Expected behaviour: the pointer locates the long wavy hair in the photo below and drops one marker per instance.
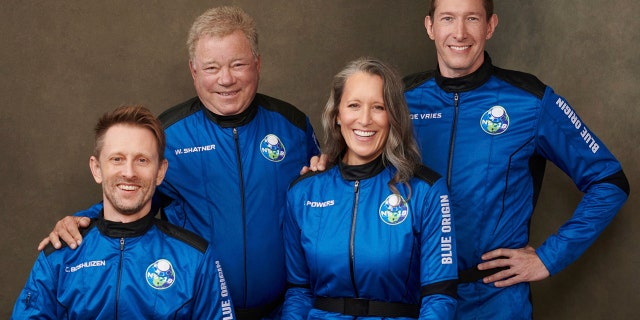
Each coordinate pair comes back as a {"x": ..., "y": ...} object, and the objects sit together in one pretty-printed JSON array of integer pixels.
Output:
[{"x": 400, "y": 149}]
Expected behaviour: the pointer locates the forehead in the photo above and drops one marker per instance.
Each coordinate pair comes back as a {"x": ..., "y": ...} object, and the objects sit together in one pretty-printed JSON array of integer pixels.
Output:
[
  {"x": 363, "y": 85},
  {"x": 447, "y": 6},
  {"x": 233, "y": 44},
  {"x": 129, "y": 139}
]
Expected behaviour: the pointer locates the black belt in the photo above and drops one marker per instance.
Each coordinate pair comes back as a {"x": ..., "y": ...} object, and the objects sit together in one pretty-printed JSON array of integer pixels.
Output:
[
  {"x": 363, "y": 307},
  {"x": 258, "y": 312},
  {"x": 473, "y": 274}
]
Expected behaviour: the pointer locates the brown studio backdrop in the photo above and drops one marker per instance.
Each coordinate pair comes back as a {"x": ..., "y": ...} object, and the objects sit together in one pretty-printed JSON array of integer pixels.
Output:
[{"x": 64, "y": 63}]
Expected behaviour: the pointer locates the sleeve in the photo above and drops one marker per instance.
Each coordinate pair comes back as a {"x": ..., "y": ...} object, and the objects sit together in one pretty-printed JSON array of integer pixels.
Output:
[
  {"x": 313, "y": 146},
  {"x": 91, "y": 212},
  {"x": 212, "y": 298},
  {"x": 567, "y": 142},
  {"x": 439, "y": 268},
  {"x": 37, "y": 300},
  {"x": 298, "y": 298}
]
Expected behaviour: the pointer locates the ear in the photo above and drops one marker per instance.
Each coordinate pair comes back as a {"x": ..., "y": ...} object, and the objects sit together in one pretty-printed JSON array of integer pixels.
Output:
[
  {"x": 259, "y": 63},
  {"x": 96, "y": 171},
  {"x": 162, "y": 171},
  {"x": 428, "y": 24},
  {"x": 192, "y": 69},
  {"x": 491, "y": 25}
]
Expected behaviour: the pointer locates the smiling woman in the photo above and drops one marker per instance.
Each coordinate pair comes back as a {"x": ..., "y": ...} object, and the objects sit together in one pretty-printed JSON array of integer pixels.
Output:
[{"x": 385, "y": 261}]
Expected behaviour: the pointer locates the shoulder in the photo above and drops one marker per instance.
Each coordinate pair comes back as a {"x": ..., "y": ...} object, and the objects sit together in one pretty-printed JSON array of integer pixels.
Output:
[
  {"x": 49, "y": 249},
  {"x": 426, "y": 174},
  {"x": 179, "y": 112},
  {"x": 182, "y": 235},
  {"x": 310, "y": 177},
  {"x": 522, "y": 80},
  {"x": 285, "y": 109},
  {"x": 414, "y": 80}
]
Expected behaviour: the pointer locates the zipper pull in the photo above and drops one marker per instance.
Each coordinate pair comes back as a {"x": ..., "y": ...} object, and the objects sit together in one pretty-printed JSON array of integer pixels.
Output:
[{"x": 122, "y": 244}]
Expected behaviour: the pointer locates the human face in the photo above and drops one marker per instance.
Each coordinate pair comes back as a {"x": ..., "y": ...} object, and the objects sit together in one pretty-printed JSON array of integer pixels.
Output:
[
  {"x": 363, "y": 118},
  {"x": 225, "y": 73},
  {"x": 460, "y": 30},
  {"x": 129, "y": 170}
]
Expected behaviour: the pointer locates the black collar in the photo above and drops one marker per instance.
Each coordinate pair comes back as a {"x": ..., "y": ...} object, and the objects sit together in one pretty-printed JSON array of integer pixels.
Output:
[
  {"x": 236, "y": 120},
  {"x": 468, "y": 82},
  {"x": 125, "y": 230},
  {"x": 362, "y": 171}
]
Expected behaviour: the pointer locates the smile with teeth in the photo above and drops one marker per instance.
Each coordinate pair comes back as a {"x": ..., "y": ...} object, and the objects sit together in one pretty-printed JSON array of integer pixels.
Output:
[
  {"x": 460, "y": 48},
  {"x": 127, "y": 187},
  {"x": 227, "y": 94},
  {"x": 364, "y": 133}
]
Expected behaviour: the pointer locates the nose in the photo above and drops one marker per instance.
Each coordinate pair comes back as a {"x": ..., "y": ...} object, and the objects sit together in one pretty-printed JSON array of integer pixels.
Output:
[
  {"x": 365, "y": 117},
  {"x": 461, "y": 30},
  {"x": 128, "y": 170},
  {"x": 226, "y": 78}
]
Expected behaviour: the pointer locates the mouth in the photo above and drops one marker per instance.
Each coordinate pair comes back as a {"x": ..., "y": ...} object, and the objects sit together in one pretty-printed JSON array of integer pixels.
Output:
[
  {"x": 228, "y": 93},
  {"x": 128, "y": 187},
  {"x": 459, "y": 48},
  {"x": 362, "y": 133}
]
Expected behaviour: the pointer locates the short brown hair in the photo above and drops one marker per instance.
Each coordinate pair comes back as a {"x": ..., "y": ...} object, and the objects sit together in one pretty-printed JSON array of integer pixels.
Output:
[
  {"x": 134, "y": 115},
  {"x": 488, "y": 7}
]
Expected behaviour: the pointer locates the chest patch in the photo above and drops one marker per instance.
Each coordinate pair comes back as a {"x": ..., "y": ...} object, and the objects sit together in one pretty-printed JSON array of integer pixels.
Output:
[
  {"x": 272, "y": 148},
  {"x": 495, "y": 120},
  {"x": 393, "y": 210},
  {"x": 160, "y": 274}
]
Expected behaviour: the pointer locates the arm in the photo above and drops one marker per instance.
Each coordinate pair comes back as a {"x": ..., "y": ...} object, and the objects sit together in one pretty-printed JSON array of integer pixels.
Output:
[
  {"x": 439, "y": 268},
  {"x": 568, "y": 143},
  {"x": 37, "y": 300},
  {"x": 67, "y": 229},
  {"x": 212, "y": 298},
  {"x": 299, "y": 298},
  {"x": 317, "y": 161}
]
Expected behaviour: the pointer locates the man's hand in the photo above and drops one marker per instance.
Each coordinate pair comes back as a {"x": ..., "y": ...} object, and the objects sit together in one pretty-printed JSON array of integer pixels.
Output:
[
  {"x": 66, "y": 229},
  {"x": 524, "y": 266},
  {"x": 316, "y": 163}
]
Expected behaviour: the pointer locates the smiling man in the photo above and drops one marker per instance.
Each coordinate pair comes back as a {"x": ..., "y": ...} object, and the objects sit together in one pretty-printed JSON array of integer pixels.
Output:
[
  {"x": 493, "y": 132},
  {"x": 131, "y": 265}
]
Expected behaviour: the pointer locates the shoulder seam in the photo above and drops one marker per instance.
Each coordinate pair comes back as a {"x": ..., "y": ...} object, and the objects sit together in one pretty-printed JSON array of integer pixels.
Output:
[
  {"x": 182, "y": 234},
  {"x": 414, "y": 80},
  {"x": 522, "y": 80},
  {"x": 178, "y": 112},
  {"x": 286, "y": 109}
]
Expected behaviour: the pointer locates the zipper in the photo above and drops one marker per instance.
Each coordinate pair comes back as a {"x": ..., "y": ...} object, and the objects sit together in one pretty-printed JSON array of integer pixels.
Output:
[
  {"x": 452, "y": 140},
  {"x": 119, "y": 274},
  {"x": 356, "y": 190},
  {"x": 236, "y": 138}
]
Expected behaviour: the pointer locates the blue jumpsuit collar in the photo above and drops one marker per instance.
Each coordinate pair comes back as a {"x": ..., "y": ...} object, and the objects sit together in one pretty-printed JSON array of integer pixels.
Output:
[
  {"x": 468, "y": 82},
  {"x": 363, "y": 171}
]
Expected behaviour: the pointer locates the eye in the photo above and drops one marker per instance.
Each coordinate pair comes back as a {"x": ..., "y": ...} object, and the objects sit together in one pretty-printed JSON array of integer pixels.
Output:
[
  {"x": 379, "y": 107},
  {"x": 353, "y": 105},
  {"x": 143, "y": 161}
]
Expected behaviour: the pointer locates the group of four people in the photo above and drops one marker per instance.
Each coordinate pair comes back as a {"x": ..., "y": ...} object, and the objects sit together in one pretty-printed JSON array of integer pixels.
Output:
[{"x": 388, "y": 225}]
